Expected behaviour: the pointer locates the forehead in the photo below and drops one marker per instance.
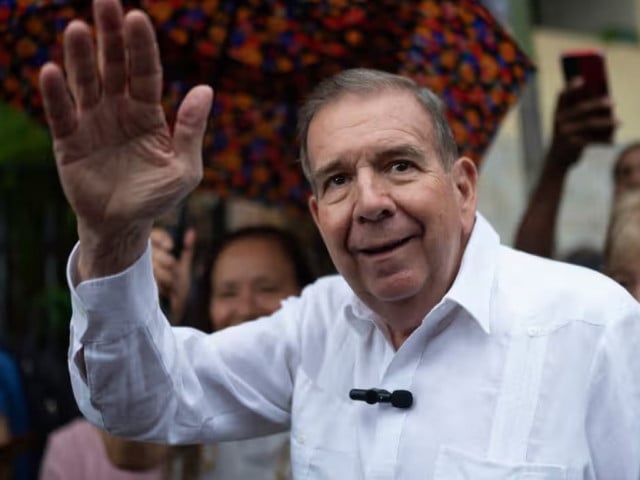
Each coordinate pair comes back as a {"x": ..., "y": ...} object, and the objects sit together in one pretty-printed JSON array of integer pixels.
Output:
[
  {"x": 358, "y": 123},
  {"x": 249, "y": 253},
  {"x": 631, "y": 158}
]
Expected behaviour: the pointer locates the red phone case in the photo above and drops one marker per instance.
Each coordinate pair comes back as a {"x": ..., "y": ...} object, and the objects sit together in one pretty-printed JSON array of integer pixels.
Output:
[{"x": 590, "y": 65}]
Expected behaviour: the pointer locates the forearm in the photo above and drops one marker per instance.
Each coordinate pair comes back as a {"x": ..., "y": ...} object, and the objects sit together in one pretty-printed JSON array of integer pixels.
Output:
[
  {"x": 112, "y": 357},
  {"x": 137, "y": 377},
  {"x": 537, "y": 229}
]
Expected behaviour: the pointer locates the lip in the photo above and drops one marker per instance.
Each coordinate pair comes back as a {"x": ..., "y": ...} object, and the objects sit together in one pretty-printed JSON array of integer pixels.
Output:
[{"x": 386, "y": 248}]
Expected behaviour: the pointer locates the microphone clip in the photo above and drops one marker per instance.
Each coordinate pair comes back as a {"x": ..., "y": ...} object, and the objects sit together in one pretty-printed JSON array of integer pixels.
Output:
[{"x": 397, "y": 398}]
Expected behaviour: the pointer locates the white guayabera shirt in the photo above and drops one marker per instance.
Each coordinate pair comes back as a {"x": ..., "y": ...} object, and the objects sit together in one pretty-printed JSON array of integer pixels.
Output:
[{"x": 527, "y": 369}]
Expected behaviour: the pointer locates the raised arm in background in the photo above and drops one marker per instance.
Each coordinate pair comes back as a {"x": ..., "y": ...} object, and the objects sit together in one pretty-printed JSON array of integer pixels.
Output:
[{"x": 578, "y": 122}]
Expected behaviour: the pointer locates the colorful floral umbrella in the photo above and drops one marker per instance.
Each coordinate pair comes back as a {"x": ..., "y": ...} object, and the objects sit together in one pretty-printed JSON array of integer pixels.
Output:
[{"x": 263, "y": 56}]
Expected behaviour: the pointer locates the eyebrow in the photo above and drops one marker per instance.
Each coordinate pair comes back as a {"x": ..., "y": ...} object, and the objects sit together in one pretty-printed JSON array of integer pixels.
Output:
[{"x": 405, "y": 150}]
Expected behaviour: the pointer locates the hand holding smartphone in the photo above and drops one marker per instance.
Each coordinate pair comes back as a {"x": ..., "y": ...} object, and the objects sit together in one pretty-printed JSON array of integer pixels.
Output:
[{"x": 584, "y": 114}]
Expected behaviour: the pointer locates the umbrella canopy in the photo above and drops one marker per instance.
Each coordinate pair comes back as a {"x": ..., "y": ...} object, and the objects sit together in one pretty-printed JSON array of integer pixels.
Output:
[{"x": 263, "y": 56}]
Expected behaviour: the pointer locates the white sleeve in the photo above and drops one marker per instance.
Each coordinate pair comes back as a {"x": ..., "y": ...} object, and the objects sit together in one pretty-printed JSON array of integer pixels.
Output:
[
  {"x": 613, "y": 409},
  {"x": 137, "y": 377}
]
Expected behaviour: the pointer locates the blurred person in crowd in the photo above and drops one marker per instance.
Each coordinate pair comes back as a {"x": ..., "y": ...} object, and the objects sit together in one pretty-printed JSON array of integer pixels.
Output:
[
  {"x": 79, "y": 451},
  {"x": 578, "y": 121},
  {"x": 626, "y": 169},
  {"x": 622, "y": 246},
  {"x": 472, "y": 360},
  {"x": 15, "y": 463},
  {"x": 250, "y": 272}
]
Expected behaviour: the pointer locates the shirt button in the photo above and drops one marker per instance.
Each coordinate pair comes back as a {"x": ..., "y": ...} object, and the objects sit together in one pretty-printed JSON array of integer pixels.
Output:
[{"x": 534, "y": 331}]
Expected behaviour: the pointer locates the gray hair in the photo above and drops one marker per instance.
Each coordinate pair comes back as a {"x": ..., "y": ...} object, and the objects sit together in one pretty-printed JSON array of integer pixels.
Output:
[{"x": 364, "y": 81}]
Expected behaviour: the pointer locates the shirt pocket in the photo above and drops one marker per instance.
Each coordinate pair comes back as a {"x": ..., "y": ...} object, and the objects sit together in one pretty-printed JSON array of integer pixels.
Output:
[
  {"x": 323, "y": 434},
  {"x": 453, "y": 464}
]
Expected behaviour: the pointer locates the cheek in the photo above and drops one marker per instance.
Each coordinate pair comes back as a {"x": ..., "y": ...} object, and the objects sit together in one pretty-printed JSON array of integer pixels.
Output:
[
  {"x": 267, "y": 304},
  {"x": 333, "y": 223},
  {"x": 220, "y": 313}
]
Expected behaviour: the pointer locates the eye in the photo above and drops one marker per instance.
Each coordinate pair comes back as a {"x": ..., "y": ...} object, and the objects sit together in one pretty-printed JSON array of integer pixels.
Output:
[
  {"x": 335, "y": 181},
  {"x": 400, "y": 166},
  {"x": 268, "y": 288},
  {"x": 226, "y": 293}
]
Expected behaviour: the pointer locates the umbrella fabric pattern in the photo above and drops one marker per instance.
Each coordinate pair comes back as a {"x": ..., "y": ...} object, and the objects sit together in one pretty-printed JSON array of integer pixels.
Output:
[{"x": 263, "y": 56}]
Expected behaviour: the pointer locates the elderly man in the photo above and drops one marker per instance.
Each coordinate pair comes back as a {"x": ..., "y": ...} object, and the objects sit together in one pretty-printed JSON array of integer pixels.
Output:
[{"x": 473, "y": 360}]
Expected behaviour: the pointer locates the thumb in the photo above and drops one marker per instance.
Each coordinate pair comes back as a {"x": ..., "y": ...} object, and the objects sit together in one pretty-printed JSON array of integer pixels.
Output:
[{"x": 191, "y": 123}]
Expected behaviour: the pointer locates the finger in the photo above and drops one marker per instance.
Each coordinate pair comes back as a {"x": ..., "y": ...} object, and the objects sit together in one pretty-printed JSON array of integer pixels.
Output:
[
  {"x": 111, "y": 53},
  {"x": 188, "y": 249},
  {"x": 570, "y": 93},
  {"x": 164, "y": 280},
  {"x": 592, "y": 108},
  {"x": 58, "y": 104},
  {"x": 164, "y": 260},
  {"x": 145, "y": 70},
  {"x": 160, "y": 239},
  {"x": 592, "y": 131},
  {"x": 592, "y": 126},
  {"x": 599, "y": 113},
  {"x": 191, "y": 123},
  {"x": 164, "y": 268},
  {"x": 575, "y": 93},
  {"x": 80, "y": 64}
]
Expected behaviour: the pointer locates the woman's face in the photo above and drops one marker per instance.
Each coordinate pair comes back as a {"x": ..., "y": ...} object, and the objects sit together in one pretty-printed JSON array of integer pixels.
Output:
[{"x": 250, "y": 279}]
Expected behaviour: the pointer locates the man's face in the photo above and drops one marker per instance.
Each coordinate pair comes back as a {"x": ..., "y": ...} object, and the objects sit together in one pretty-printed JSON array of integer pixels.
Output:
[
  {"x": 394, "y": 221},
  {"x": 627, "y": 172}
]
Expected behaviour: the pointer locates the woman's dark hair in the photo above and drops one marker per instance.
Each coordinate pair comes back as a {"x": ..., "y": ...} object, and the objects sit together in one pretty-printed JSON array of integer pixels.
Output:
[{"x": 287, "y": 242}]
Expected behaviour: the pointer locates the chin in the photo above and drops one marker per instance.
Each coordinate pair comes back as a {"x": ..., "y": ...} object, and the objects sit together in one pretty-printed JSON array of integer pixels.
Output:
[{"x": 395, "y": 289}]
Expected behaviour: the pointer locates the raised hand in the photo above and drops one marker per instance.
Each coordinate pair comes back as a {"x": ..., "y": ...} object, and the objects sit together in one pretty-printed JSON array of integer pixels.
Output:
[
  {"x": 119, "y": 163},
  {"x": 173, "y": 275},
  {"x": 578, "y": 122}
]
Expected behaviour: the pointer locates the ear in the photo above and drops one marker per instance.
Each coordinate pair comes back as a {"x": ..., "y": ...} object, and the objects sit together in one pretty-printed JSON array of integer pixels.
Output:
[
  {"x": 313, "y": 208},
  {"x": 465, "y": 179}
]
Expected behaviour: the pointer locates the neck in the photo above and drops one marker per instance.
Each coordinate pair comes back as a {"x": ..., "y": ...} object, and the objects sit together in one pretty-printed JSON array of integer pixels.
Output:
[
  {"x": 402, "y": 319},
  {"x": 399, "y": 336}
]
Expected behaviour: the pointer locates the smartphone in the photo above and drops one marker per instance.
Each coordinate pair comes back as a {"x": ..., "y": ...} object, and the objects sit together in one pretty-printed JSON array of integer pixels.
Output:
[
  {"x": 177, "y": 229},
  {"x": 591, "y": 66}
]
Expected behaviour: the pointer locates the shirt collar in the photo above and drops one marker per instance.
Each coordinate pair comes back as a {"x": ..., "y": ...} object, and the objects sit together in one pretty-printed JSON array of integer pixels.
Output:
[{"x": 471, "y": 288}]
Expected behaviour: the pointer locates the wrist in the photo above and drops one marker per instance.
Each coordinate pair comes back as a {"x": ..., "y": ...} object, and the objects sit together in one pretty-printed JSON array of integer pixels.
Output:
[
  {"x": 105, "y": 254},
  {"x": 560, "y": 160}
]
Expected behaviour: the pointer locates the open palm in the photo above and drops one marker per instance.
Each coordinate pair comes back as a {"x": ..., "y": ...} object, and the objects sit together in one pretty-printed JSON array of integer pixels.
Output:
[{"x": 119, "y": 163}]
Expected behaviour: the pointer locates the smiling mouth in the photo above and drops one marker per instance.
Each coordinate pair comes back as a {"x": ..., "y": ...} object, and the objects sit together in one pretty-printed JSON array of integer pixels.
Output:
[{"x": 385, "y": 248}]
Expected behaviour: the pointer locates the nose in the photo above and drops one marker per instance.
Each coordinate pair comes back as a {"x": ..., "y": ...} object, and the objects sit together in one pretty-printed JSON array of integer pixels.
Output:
[
  {"x": 247, "y": 307},
  {"x": 374, "y": 201}
]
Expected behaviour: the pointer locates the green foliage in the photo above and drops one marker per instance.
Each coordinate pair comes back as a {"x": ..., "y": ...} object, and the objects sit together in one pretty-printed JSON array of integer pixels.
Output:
[
  {"x": 39, "y": 228},
  {"x": 22, "y": 140}
]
